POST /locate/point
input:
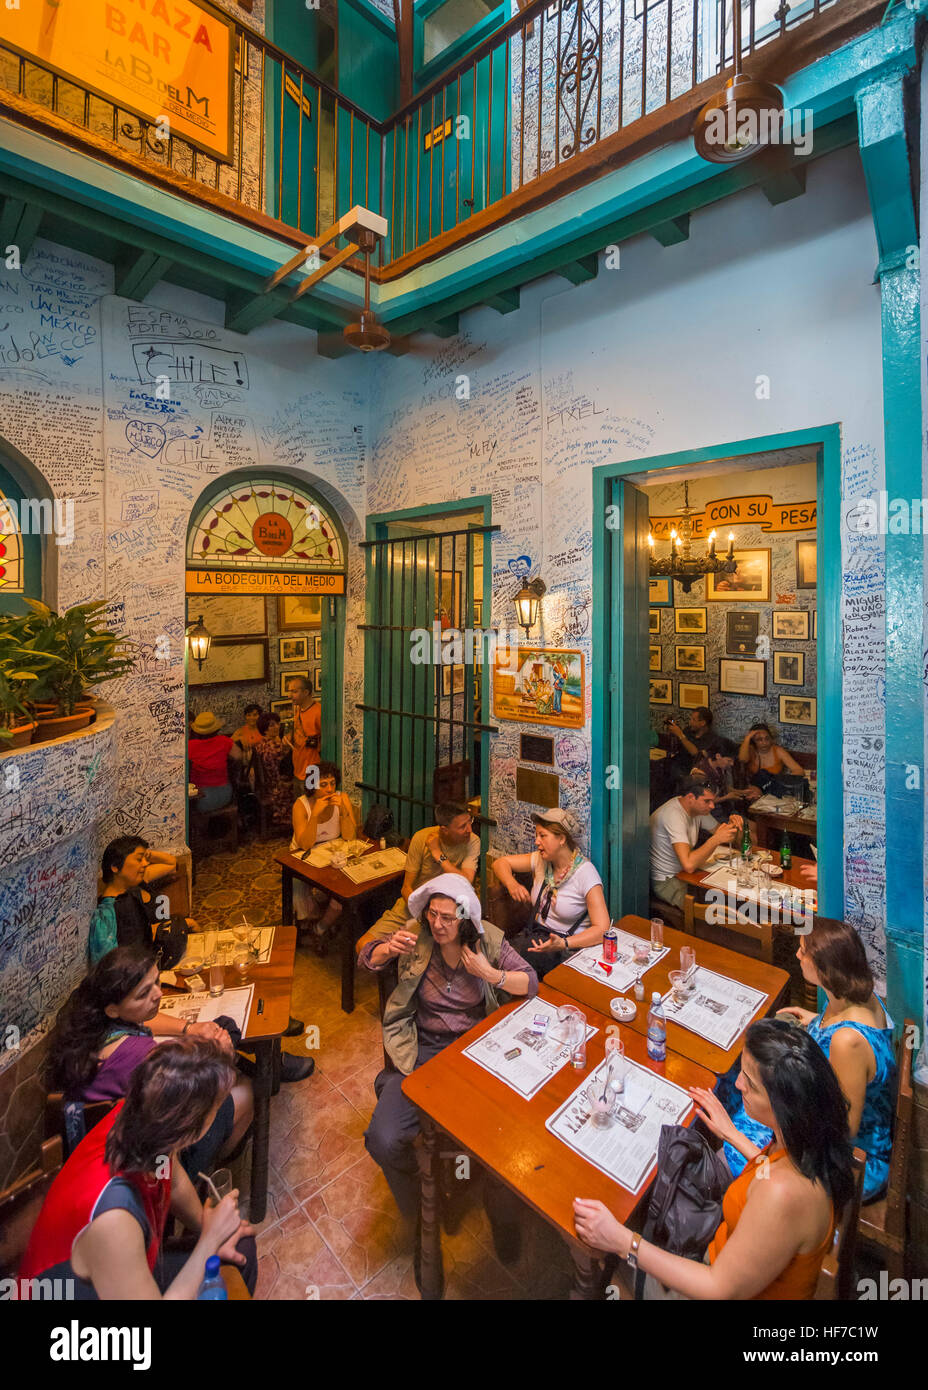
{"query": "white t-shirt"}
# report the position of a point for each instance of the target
(325, 830)
(670, 825)
(570, 902)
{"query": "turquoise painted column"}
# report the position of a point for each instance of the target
(884, 154)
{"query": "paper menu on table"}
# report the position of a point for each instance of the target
(624, 971)
(718, 1008)
(626, 1149)
(225, 941)
(540, 1054)
(203, 1008)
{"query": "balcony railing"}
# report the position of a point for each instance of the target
(559, 94)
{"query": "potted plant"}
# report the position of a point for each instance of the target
(80, 653)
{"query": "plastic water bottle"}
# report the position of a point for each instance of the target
(212, 1290)
(657, 1029)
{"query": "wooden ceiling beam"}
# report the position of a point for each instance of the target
(673, 231)
(19, 226)
(138, 273)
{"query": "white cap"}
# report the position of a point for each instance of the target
(454, 886)
(656, 997)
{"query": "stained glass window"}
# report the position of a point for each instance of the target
(11, 550)
(266, 525)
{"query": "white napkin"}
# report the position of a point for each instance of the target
(637, 1093)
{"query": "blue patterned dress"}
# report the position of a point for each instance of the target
(875, 1133)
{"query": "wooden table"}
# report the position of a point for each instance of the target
(507, 1134)
(791, 877)
(350, 895)
(771, 827)
(773, 982)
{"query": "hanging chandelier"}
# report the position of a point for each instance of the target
(681, 564)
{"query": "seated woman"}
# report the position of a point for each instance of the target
(856, 1035)
(103, 1033)
(764, 758)
(126, 913)
(454, 969)
(210, 752)
(102, 1222)
(322, 813)
(249, 735)
(568, 905)
(276, 765)
(774, 1234)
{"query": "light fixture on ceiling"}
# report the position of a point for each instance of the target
(368, 334)
(198, 641)
(528, 602)
(681, 564)
(737, 122)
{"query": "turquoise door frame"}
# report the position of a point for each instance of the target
(620, 637)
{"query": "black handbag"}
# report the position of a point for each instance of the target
(171, 941)
(685, 1208)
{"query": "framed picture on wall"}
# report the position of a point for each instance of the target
(478, 612)
(660, 692)
(232, 659)
(452, 680)
(293, 648)
(806, 564)
(798, 709)
(654, 620)
(295, 611)
(791, 626)
(317, 647)
(654, 657)
(742, 677)
(789, 668)
(689, 620)
(660, 593)
(448, 598)
(288, 676)
(750, 582)
(229, 615)
(317, 680)
(282, 707)
(692, 696)
(814, 624)
(540, 685)
(741, 631)
(690, 658)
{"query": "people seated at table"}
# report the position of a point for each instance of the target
(779, 1215)
(715, 768)
(698, 736)
(127, 914)
(276, 770)
(108, 1026)
(304, 737)
(765, 759)
(454, 969)
(450, 846)
(211, 753)
(249, 735)
(569, 909)
(856, 1035)
(102, 1224)
(675, 830)
(321, 814)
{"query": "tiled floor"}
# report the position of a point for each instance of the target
(332, 1228)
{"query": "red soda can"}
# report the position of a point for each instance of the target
(610, 945)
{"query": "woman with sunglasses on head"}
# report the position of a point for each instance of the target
(569, 908)
(103, 1221)
(773, 1234)
(453, 970)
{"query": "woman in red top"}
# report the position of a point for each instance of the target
(102, 1223)
(209, 751)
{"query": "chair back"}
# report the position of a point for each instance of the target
(70, 1129)
(836, 1277)
(21, 1203)
(899, 1162)
(749, 938)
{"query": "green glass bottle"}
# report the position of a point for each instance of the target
(786, 853)
(746, 839)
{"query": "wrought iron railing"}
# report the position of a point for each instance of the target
(556, 95)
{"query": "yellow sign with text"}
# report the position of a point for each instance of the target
(757, 510)
(242, 581)
(161, 59)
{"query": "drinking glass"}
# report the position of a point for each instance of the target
(642, 951)
(657, 933)
(572, 1029)
(242, 960)
(618, 1066)
(687, 961)
(601, 1103)
(222, 1181)
(241, 931)
(679, 986)
(209, 944)
(217, 975)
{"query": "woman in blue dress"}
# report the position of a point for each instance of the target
(856, 1035)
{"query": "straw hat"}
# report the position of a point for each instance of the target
(206, 723)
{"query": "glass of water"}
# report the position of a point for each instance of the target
(217, 975)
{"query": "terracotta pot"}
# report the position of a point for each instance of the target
(22, 734)
(56, 726)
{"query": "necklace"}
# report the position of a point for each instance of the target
(439, 960)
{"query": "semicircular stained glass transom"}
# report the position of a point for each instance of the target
(264, 525)
(11, 550)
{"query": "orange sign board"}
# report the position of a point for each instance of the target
(243, 581)
(758, 510)
(168, 59)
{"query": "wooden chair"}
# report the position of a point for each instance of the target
(882, 1224)
(235, 1284)
(749, 938)
(836, 1277)
(204, 825)
(21, 1203)
(94, 1112)
(673, 916)
(511, 917)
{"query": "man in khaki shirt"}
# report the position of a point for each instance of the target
(450, 847)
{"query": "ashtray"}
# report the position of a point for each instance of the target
(773, 870)
(624, 1009)
(189, 966)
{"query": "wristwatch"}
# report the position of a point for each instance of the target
(187, 1025)
(500, 983)
(632, 1256)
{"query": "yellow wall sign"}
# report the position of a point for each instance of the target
(156, 58)
(759, 510)
(243, 581)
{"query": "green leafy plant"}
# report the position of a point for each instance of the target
(70, 652)
(19, 674)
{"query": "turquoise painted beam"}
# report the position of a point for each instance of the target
(786, 178)
(579, 271)
(138, 273)
(673, 231)
(19, 226)
(885, 158)
(247, 311)
(506, 301)
(443, 328)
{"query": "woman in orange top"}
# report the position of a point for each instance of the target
(775, 1233)
(765, 758)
